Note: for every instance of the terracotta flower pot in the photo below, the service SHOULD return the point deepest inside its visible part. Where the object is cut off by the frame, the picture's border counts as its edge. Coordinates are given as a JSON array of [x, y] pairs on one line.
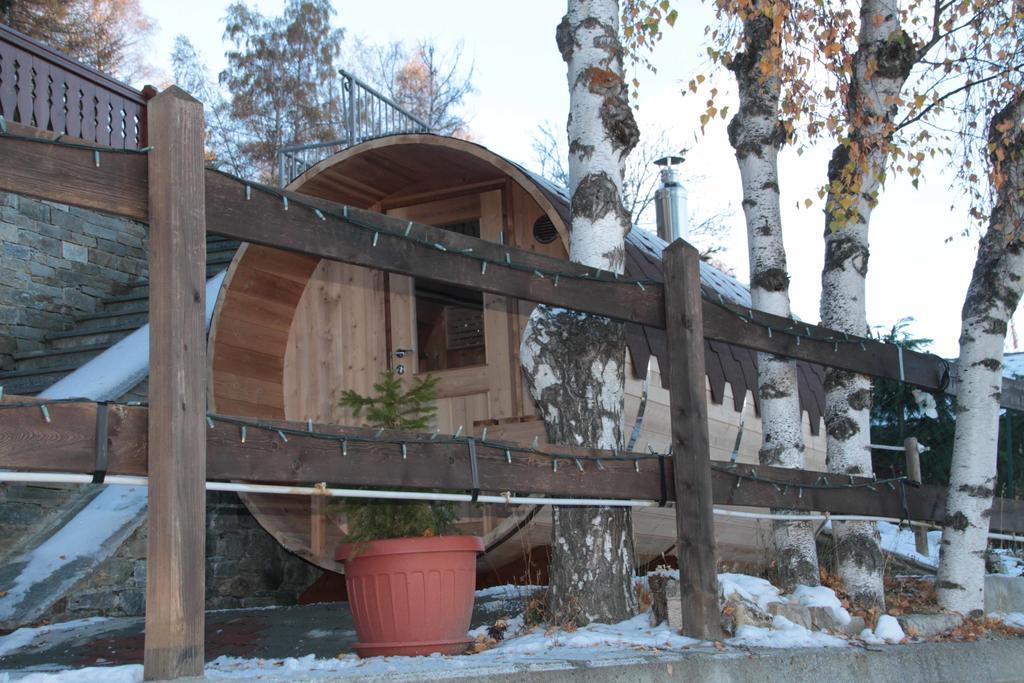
[[412, 596]]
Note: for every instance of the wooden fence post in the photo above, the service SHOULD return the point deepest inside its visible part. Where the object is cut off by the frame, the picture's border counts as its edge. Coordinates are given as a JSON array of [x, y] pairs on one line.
[[176, 554], [695, 545], [913, 454]]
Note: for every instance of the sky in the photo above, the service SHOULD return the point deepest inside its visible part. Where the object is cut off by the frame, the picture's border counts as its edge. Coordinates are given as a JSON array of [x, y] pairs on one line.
[[915, 269]]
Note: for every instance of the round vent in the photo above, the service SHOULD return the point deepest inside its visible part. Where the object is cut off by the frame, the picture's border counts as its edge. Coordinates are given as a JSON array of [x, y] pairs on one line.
[[544, 230]]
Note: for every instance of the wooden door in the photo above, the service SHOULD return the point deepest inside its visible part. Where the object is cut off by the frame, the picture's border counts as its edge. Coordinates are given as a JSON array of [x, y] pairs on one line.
[[478, 392]]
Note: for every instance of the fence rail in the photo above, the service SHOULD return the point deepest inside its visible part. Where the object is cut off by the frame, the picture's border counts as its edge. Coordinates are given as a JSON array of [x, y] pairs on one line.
[[367, 113], [41, 88]]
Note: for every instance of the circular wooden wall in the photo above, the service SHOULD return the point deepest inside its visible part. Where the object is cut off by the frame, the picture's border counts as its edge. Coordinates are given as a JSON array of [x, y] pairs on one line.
[[290, 330]]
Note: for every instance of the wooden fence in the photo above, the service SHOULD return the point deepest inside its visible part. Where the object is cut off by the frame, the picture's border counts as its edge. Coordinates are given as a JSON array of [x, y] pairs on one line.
[[173, 444]]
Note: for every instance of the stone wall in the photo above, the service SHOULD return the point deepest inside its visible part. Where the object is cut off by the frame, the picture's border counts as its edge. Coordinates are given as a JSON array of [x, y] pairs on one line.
[[56, 263], [245, 567]]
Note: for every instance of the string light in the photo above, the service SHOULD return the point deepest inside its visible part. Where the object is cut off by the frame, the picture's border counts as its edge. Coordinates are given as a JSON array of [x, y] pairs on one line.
[[821, 483]]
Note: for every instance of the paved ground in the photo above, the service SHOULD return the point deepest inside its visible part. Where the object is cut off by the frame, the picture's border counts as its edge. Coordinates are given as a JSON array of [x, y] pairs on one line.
[[324, 630]]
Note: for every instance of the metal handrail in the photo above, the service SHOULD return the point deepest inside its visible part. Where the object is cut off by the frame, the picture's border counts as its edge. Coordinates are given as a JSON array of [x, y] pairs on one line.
[[368, 114]]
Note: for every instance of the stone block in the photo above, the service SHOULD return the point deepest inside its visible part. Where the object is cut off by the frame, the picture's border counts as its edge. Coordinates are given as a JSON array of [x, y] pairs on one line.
[[824, 619], [12, 216], [39, 270], [74, 252], [17, 251], [34, 209], [8, 232], [99, 231], [928, 625], [96, 602], [1004, 593], [8, 314], [856, 625], [132, 602], [796, 613]]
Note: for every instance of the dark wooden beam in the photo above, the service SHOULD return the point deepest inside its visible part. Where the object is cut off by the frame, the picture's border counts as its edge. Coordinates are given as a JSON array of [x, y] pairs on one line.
[[688, 409], [176, 549], [33, 167], [118, 186], [67, 444]]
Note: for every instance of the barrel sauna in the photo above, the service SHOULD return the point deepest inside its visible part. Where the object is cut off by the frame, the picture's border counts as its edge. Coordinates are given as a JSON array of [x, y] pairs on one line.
[[290, 332]]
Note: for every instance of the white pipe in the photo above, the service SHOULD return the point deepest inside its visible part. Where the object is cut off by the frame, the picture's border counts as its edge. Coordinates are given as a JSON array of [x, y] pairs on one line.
[[61, 478], [122, 480]]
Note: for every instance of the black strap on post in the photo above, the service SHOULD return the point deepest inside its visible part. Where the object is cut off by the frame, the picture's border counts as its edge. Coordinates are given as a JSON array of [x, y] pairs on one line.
[[99, 470], [664, 483], [475, 491], [903, 499]]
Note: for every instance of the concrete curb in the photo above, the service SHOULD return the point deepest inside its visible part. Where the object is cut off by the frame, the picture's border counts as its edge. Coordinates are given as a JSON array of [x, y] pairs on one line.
[[987, 660]]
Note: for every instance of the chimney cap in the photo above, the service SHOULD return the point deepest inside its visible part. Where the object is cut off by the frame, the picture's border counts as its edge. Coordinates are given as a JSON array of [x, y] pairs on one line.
[[671, 160]]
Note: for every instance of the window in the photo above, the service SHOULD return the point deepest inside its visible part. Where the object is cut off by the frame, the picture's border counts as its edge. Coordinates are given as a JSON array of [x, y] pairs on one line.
[[450, 320]]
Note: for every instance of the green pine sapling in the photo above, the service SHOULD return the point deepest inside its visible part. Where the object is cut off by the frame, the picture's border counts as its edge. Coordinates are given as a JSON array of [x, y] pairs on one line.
[[393, 406]]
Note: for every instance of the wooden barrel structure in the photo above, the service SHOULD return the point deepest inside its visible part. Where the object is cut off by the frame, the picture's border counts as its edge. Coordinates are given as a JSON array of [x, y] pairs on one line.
[[291, 332]]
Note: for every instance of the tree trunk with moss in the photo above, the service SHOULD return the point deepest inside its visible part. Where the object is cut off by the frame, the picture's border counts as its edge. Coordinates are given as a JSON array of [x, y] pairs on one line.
[[756, 133], [992, 297], [885, 55], [574, 363]]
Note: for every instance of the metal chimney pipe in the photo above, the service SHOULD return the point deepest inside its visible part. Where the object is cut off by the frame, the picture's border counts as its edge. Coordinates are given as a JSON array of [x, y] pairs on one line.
[[670, 201]]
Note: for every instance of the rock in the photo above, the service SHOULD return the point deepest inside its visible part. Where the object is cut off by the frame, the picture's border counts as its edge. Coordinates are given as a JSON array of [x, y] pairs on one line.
[[796, 613], [928, 625], [856, 625], [1004, 593], [825, 619]]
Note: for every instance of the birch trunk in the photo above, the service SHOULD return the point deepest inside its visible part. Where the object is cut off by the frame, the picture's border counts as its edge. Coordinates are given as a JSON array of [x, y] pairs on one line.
[[574, 363], [884, 57], [756, 133], [991, 300]]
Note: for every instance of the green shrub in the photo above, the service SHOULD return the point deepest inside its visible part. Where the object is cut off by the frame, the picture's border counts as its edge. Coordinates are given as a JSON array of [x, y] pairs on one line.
[[394, 407]]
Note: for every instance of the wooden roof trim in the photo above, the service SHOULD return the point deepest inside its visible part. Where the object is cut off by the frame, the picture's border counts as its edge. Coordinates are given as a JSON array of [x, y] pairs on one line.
[[471, 148]]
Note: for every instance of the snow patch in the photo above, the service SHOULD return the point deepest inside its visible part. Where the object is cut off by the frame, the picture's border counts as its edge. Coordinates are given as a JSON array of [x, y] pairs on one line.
[[752, 589], [1008, 564], [900, 541], [783, 633], [889, 630], [84, 536], [821, 596], [26, 636], [1014, 619], [130, 673]]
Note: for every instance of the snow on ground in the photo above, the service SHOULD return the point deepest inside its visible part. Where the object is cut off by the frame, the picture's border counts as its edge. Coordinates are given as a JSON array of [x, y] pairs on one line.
[[784, 633], [900, 540], [757, 591], [25, 636], [1008, 563], [888, 630], [1014, 619], [131, 673], [84, 536], [625, 642], [821, 596]]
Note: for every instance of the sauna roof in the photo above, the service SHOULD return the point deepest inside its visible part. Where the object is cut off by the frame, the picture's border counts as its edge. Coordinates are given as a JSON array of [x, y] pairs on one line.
[[724, 363]]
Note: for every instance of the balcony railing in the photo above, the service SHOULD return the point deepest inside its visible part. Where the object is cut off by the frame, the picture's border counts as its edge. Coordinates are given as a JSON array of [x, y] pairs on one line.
[[367, 114], [41, 88]]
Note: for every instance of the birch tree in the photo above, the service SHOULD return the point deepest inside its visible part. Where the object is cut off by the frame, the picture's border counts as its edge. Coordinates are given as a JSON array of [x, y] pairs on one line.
[[757, 134], [992, 298], [573, 362], [881, 65]]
